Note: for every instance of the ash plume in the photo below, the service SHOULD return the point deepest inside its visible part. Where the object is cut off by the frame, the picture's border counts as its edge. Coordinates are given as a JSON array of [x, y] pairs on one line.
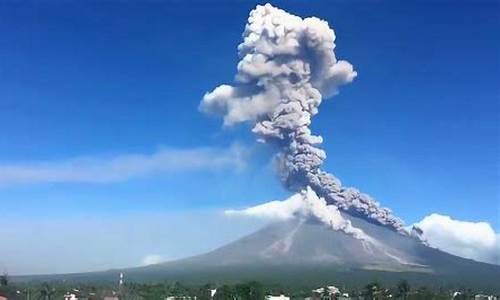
[[287, 66], [304, 204]]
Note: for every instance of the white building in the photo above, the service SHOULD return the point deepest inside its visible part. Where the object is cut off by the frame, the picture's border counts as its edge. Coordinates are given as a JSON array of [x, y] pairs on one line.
[[484, 297], [280, 297], [70, 297], [327, 293], [344, 296]]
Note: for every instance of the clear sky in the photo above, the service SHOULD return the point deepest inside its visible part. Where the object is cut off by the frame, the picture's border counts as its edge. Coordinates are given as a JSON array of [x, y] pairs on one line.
[[99, 118]]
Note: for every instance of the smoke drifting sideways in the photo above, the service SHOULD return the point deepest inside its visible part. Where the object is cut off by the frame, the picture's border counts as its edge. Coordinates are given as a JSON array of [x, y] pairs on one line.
[[287, 66]]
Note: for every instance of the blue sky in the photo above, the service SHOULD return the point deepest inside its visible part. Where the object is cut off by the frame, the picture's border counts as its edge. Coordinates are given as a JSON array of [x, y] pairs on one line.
[[418, 129]]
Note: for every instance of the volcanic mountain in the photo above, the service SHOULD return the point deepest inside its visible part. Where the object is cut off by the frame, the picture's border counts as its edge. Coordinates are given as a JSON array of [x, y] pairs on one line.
[[304, 251]]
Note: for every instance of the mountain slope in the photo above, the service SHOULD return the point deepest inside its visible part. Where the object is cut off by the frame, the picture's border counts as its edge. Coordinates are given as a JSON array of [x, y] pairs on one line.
[[306, 252]]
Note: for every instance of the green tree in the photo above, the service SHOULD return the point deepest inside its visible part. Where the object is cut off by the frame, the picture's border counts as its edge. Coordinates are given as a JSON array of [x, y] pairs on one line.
[[46, 292], [374, 291], [178, 289], [4, 279], [204, 292], [256, 291], [250, 291], [423, 294], [225, 292], [403, 289]]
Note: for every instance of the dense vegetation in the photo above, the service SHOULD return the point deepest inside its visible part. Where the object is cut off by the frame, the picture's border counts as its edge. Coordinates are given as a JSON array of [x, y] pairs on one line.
[[251, 290], [242, 291]]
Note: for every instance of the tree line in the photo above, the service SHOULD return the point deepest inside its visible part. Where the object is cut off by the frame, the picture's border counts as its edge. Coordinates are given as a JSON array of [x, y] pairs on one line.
[[251, 290]]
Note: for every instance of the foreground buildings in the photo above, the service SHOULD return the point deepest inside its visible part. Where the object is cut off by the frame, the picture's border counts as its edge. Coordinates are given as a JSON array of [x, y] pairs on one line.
[[280, 297]]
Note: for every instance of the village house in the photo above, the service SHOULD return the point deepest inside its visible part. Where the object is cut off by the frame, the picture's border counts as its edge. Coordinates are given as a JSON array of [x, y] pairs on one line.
[[280, 297], [484, 297], [326, 293], [69, 296]]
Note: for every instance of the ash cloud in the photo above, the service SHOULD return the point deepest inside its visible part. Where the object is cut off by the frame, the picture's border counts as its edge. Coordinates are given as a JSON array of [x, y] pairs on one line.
[[304, 204], [287, 67]]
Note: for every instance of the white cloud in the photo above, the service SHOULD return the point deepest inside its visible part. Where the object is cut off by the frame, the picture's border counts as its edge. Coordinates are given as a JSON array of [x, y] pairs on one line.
[[475, 240], [152, 259], [121, 167]]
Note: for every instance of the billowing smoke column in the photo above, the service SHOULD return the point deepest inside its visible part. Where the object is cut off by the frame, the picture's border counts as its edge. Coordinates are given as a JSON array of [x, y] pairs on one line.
[[287, 64]]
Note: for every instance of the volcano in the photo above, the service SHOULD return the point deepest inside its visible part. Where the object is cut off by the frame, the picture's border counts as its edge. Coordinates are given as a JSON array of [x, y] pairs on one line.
[[306, 252]]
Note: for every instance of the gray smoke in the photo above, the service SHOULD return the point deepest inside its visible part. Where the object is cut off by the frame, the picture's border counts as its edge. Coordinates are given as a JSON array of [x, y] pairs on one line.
[[287, 65]]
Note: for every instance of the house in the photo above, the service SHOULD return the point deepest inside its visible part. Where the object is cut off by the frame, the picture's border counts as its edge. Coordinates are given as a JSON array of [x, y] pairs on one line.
[[344, 296], [69, 296], [484, 297], [326, 293], [280, 297]]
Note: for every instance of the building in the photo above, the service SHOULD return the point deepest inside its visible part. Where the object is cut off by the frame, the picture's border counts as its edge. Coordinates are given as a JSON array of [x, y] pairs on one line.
[[326, 293], [280, 297], [344, 296], [69, 296], [484, 297]]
